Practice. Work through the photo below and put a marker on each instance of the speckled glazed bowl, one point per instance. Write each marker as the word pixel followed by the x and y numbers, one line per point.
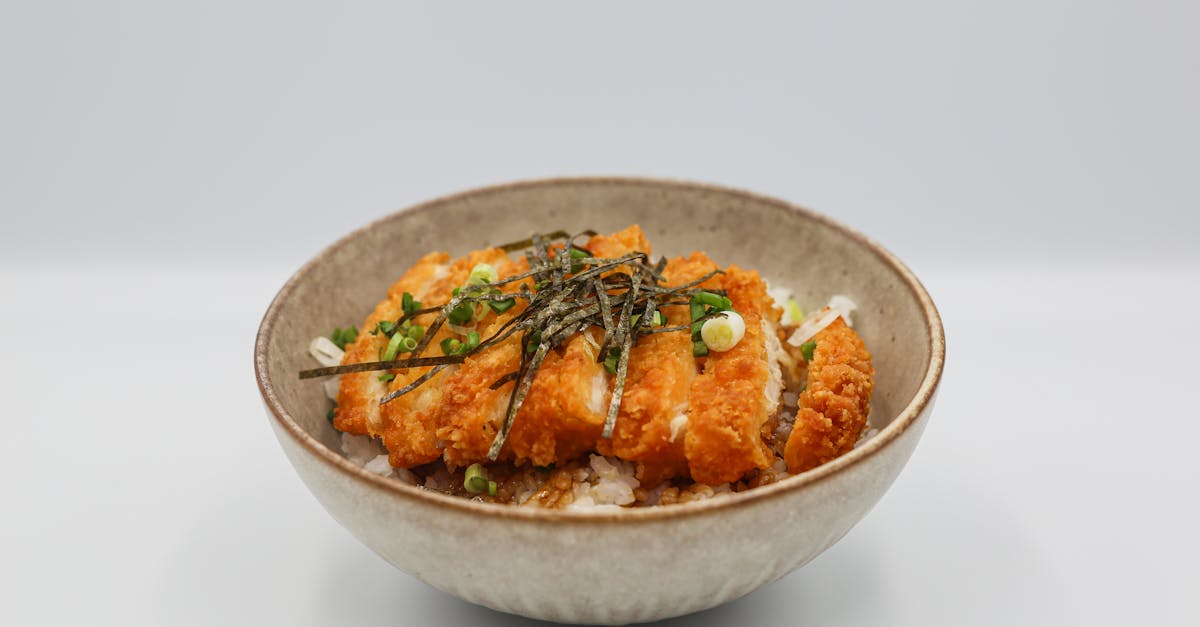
pixel 611 567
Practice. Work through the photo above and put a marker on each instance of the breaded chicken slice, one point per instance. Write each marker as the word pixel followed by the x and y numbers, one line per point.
pixel 471 411
pixel 359 392
pixel 410 421
pixel 835 403
pixel 653 416
pixel 729 409
pixel 564 412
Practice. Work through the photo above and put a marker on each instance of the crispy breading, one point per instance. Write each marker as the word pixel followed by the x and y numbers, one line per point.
pixel 727 405
pixel 410 421
pixel 834 405
pixel 359 392
pixel 657 385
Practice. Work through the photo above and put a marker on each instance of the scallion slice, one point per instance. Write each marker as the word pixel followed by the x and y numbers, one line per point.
pixel 409 304
pixel 715 301
pixel 807 349
pixel 394 346
pixel 462 314
pixel 723 331
pixel 501 306
pixel 475 480
pixel 610 362
pixel 341 337
pixel 450 346
pixel 483 273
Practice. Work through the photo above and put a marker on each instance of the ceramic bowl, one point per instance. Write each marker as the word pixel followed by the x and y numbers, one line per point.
pixel 607 567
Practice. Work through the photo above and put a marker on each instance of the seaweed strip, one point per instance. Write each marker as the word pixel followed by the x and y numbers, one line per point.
pixel 414 385
pixel 368 366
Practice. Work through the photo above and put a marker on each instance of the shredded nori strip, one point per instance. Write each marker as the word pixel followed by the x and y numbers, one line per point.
pixel 626 339
pixel 368 366
pixel 414 385
pixel 530 241
pixel 512 376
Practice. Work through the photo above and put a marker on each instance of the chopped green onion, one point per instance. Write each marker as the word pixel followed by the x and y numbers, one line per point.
pixel 455 291
pixel 331 414
pixel 699 349
pixel 491 488
pixel 807 349
pixel 534 340
pixel 578 253
pixel 409 304
pixel 386 327
pixel 696 327
pixel 501 306
pixel 472 341
pixel 610 362
pixel 450 346
pixel 483 273
pixel 659 319
pixel 697 310
pixel 716 301
pixel 724 331
pixel 794 312
pixel 415 332
pixel 387 377
pixel 462 314
pixel 341 337
pixel 393 347
pixel 475 480
pixel 407 344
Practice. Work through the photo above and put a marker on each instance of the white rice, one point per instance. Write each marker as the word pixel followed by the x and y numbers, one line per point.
pixel 610 483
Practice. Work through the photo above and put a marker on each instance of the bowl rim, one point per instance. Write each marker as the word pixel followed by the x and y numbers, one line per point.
pixel 419 496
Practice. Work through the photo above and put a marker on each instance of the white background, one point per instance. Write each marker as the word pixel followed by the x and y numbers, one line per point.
pixel 165 168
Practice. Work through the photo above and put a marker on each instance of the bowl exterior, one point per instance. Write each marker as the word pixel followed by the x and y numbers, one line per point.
pixel 634 572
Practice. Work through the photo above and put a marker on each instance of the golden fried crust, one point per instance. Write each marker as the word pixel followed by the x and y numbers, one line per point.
pixel 834 405
pixel 359 393
pixel 563 413
pixel 410 421
pixel 657 384
pixel 620 243
pixel 470 411
pixel 728 407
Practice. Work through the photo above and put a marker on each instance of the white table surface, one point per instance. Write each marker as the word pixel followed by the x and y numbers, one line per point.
pixel 1055 484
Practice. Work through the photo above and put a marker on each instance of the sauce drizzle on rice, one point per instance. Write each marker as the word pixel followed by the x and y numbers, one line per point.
pixel 576 376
